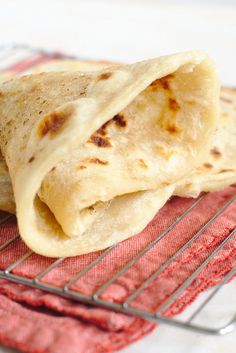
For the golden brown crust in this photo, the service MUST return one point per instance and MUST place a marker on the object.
(215, 153)
(53, 124)
(208, 165)
(104, 76)
(120, 120)
(99, 141)
(173, 105)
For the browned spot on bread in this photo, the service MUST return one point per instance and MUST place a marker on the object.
(102, 130)
(1, 94)
(6, 167)
(165, 183)
(172, 128)
(53, 123)
(226, 170)
(91, 208)
(105, 76)
(173, 105)
(215, 152)
(99, 141)
(82, 167)
(95, 161)
(119, 120)
(52, 170)
(31, 159)
(9, 123)
(163, 82)
(142, 164)
(154, 83)
(208, 165)
(188, 185)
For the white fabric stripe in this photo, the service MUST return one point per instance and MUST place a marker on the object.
(12, 56)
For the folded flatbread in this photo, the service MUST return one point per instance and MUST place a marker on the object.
(7, 202)
(217, 171)
(93, 156)
(219, 166)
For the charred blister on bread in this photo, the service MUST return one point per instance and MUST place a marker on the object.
(81, 167)
(94, 160)
(120, 120)
(100, 138)
(215, 153)
(100, 141)
(162, 82)
(226, 170)
(31, 159)
(208, 165)
(171, 128)
(103, 129)
(104, 76)
(173, 105)
(53, 123)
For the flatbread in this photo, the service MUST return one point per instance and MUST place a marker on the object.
(70, 65)
(92, 157)
(7, 202)
(219, 167)
(217, 171)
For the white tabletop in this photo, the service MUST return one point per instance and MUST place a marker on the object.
(128, 31)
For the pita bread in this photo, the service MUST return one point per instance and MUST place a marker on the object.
(88, 146)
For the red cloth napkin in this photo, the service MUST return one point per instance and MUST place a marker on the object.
(36, 321)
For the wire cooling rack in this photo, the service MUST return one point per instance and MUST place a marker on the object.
(19, 58)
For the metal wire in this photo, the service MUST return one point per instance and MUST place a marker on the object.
(125, 307)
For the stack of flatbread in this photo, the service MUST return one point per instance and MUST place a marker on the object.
(91, 151)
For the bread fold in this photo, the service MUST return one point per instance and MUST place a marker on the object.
(92, 156)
